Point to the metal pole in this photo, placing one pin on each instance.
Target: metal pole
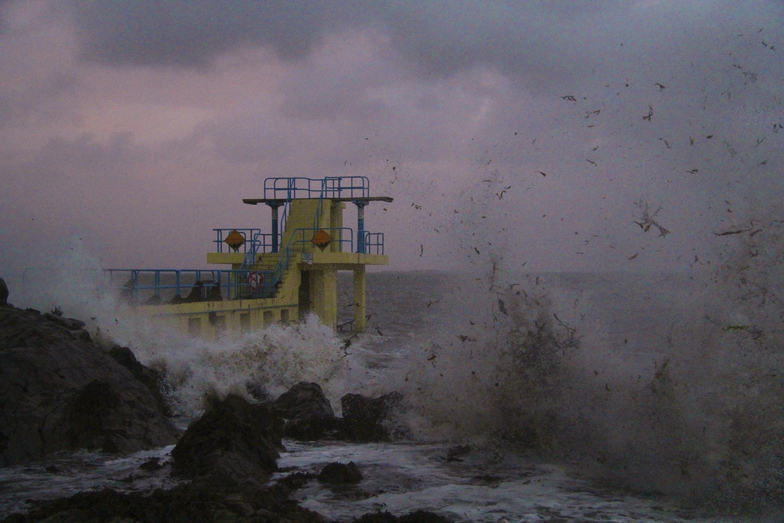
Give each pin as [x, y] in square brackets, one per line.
[274, 206]
[360, 226]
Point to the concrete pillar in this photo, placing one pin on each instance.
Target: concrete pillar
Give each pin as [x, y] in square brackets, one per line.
[324, 295]
[360, 313]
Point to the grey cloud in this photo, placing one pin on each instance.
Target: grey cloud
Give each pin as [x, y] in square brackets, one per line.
[538, 43]
[3, 6]
[439, 37]
[193, 32]
[442, 38]
[42, 99]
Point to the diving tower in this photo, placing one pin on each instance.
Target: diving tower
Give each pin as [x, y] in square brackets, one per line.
[278, 274]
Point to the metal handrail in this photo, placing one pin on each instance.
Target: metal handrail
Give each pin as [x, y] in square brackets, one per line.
[283, 218]
[238, 284]
[248, 234]
[149, 286]
[288, 189]
[374, 241]
[329, 187]
[320, 204]
[285, 257]
[262, 242]
[340, 235]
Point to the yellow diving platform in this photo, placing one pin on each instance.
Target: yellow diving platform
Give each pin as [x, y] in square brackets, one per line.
[270, 277]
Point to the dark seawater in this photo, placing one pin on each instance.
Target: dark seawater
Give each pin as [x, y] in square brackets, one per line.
[569, 397]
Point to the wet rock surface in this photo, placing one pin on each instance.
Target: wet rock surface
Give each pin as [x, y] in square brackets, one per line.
[419, 516]
[234, 440]
[306, 415]
[60, 391]
[3, 293]
[150, 377]
[368, 419]
[306, 412]
[340, 474]
[194, 503]
[229, 455]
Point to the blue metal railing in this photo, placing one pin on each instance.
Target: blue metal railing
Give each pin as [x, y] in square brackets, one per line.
[317, 214]
[250, 236]
[283, 218]
[158, 286]
[343, 236]
[303, 238]
[298, 187]
[373, 243]
[300, 240]
[329, 187]
[262, 243]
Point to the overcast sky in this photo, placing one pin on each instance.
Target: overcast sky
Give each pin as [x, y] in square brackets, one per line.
[532, 134]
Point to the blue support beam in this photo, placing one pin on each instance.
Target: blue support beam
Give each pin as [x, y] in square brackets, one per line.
[360, 225]
[274, 206]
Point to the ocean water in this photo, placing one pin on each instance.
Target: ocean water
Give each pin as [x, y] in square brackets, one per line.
[548, 397]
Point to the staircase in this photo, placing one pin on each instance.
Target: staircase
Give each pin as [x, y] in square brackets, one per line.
[276, 266]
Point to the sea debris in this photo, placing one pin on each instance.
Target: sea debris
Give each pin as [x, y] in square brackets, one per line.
[648, 220]
[738, 231]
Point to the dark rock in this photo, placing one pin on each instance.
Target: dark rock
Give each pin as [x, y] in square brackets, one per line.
[258, 392]
[340, 474]
[232, 441]
[3, 293]
[128, 291]
[150, 377]
[60, 391]
[297, 480]
[365, 419]
[195, 294]
[214, 293]
[95, 417]
[377, 517]
[302, 400]
[307, 412]
[151, 465]
[454, 453]
[153, 300]
[69, 323]
[422, 516]
[191, 503]
[74, 327]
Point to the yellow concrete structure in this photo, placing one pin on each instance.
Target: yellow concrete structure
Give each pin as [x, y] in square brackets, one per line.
[277, 277]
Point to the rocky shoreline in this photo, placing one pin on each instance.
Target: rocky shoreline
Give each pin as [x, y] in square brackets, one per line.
[61, 391]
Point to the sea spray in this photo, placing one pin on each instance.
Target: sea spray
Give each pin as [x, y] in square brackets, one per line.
[262, 363]
[267, 361]
[479, 348]
[660, 383]
[674, 386]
